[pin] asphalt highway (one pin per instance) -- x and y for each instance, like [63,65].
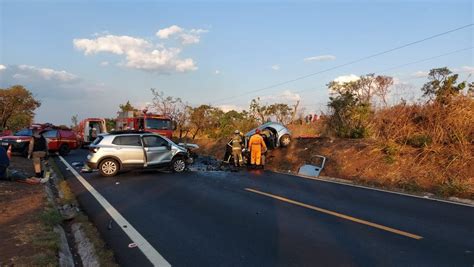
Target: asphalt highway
[260,218]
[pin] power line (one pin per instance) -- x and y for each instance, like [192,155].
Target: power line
[427,59]
[347,63]
[411,63]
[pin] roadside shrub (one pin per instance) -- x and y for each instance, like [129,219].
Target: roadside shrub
[451,187]
[349,116]
[419,140]
[51,217]
[390,149]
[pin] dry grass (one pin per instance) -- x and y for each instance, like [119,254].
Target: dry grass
[438,140]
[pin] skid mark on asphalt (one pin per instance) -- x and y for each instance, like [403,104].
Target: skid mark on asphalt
[147,249]
[339,215]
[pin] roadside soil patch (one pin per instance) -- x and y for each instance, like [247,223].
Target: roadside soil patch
[26,239]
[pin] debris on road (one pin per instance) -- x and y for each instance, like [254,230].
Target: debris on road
[208,163]
[132,245]
[77,164]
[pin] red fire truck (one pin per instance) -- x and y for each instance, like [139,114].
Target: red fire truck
[150,122]
[85,128]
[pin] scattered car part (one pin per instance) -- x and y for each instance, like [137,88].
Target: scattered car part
[312,170]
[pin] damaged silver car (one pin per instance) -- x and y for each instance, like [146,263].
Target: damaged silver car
[274,134]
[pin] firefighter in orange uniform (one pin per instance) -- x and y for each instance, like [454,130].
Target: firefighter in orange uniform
[256,145]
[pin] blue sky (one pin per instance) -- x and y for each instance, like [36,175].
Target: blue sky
[87,57]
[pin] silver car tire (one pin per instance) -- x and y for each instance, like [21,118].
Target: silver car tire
[108,167]
[285,140]
[178,165]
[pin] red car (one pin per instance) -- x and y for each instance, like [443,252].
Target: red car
[59,140]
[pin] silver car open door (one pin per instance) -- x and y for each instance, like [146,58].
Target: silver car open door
[157,150]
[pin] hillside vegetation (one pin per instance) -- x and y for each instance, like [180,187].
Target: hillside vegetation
[422,146]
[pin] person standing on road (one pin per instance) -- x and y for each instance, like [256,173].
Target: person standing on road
[256,146]
[237,149]
[37,150]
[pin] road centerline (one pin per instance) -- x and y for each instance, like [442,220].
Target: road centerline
[336,214]
[146,248]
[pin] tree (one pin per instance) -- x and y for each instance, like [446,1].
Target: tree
[201,118]
[295,111]
[74,121]
[281,112]
[442,86]
[127,107]
[382,87]
[110,124]
[173,107]
[349,115]
[17,106]
[366,88]
[257,110]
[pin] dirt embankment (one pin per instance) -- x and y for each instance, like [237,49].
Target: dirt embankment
[26,237]
[367,162]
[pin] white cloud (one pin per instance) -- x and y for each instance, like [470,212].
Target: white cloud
[111,43]
[104,63]
[46,73]
[275,67]
[2,67]
[284,97]
[139,53]
[346,78]
[420,74]
[198,31]
[320,58]
[227,108]
[50,83]
[468,69]
[18,76]
[217,72]
[186,37]
[397,81]
[167,32]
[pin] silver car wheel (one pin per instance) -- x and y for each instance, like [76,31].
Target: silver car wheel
[285,140]
[179,165]
[109,167]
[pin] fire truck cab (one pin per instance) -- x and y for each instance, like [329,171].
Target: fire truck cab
[160,124]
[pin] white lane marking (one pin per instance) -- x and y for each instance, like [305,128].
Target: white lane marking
[150,252]
[376,189]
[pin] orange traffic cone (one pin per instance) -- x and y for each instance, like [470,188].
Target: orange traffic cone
[9,152]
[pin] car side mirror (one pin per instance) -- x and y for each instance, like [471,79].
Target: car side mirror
[168,146]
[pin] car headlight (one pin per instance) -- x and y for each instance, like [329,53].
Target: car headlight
[18,141]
